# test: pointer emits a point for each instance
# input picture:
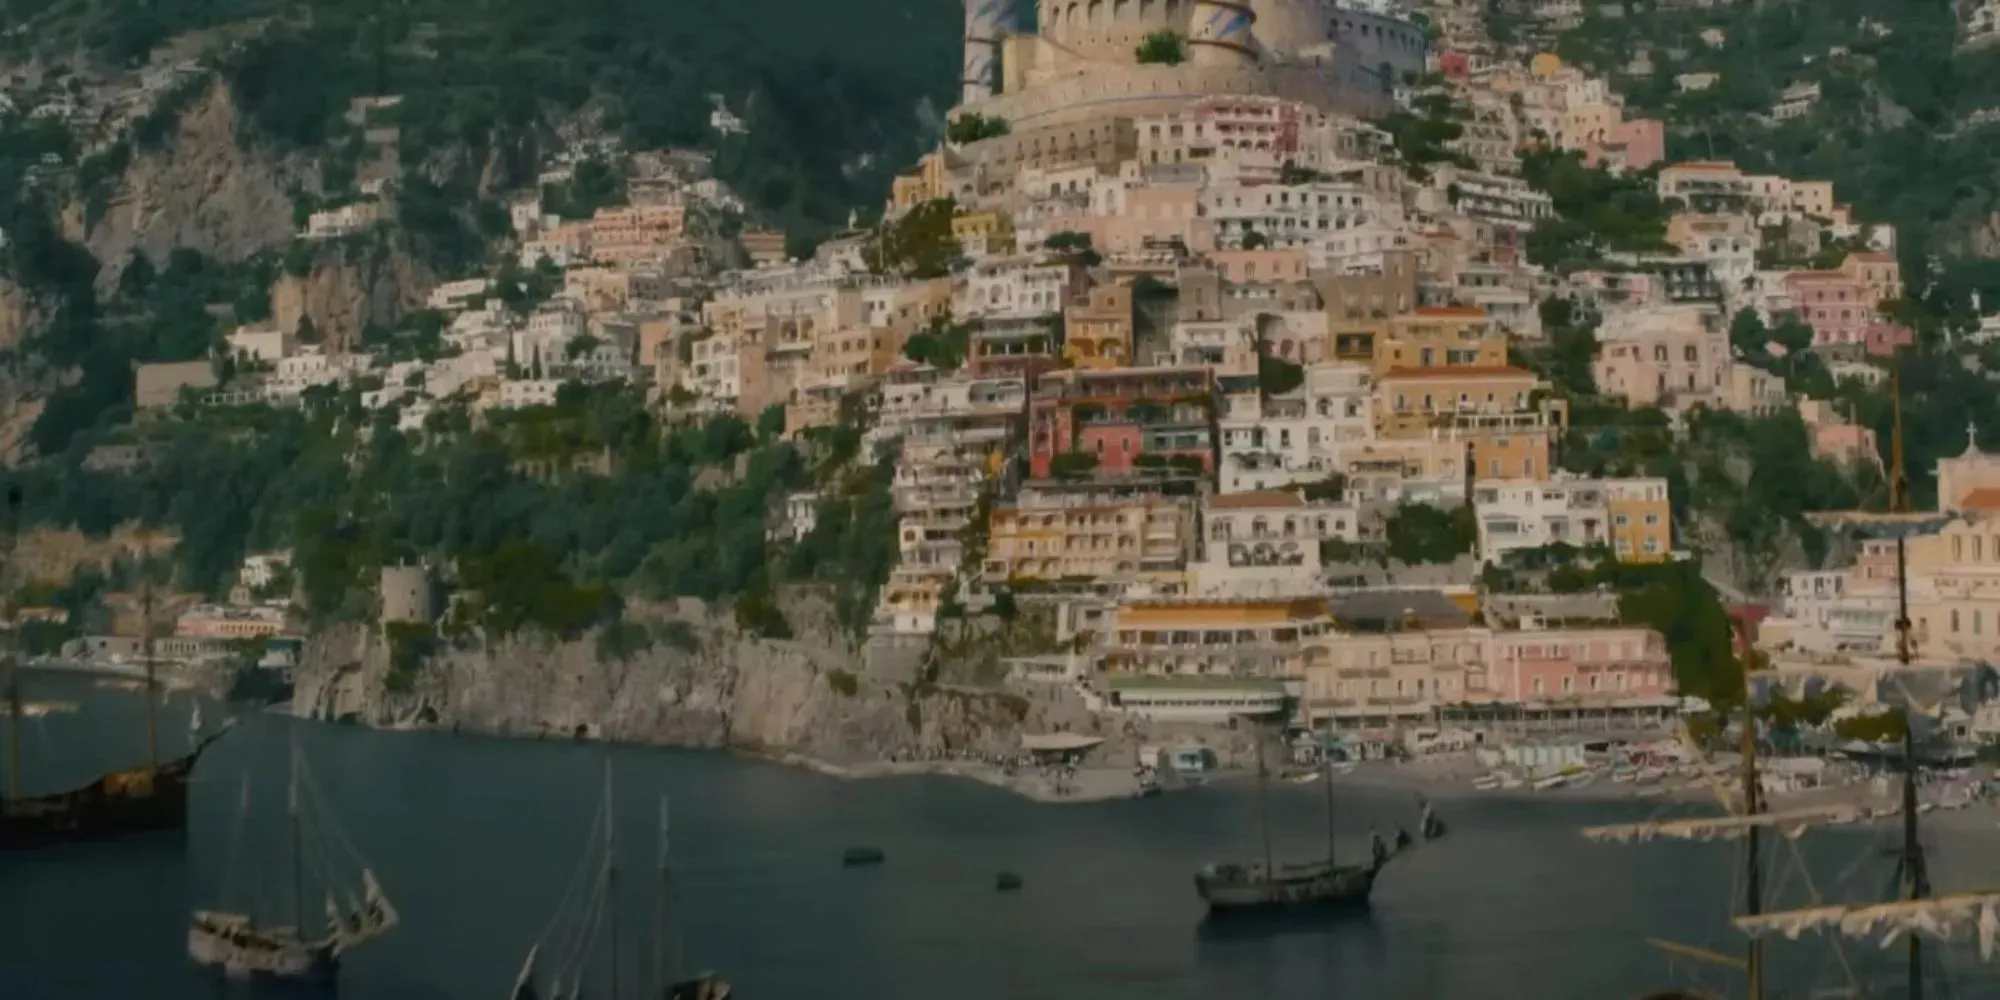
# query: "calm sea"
(475, 840)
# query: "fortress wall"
(1141, 90)
(1110, 30)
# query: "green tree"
(1162, 48)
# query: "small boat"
(1487, 783)
(240, 946)
(1006, 882)
(1305, 779)
(860, 857)
(44, 709)
(1551, 782)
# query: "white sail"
(1944, 918)
(524, 983)
(1792, 823)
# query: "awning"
(1056, 742)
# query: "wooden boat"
(1268, 886)
(241, 946)
(151, 798)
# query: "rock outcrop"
(350, 286)
(712, 686)
(200, 188)
(17, 313)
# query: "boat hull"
(261, 956)
(116, 805)
(1303, 887)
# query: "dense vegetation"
(832, 95)
(551, 514)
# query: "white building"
(1268, 543)
(1293, 216)
(521, 392)
(1299, 437)
(346, 220)
(452, 296)
(1515, 515)
(1017, 285)
(260, 342)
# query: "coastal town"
(1238, 356)
(988, 496)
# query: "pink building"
(1607, 665)
(1453, 64)
(1633, 145)
(1838, 308)
(1882, 339)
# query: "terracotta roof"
(1872, 258)
(1458, 371)
(1451, 311)
(1259, 498)
(1703, 165)
(1982, 499)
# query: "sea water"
(476, 839)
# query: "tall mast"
(146, 652)
(1263, 802)
(1753, 887)
(1916, 882)
(294, 808)
(8, 667)
(1327, 759)
(611, 874)
(666, 968)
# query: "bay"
(477, 838)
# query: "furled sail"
(1792, 823)
(1944, 917)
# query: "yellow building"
(1097, 333)
(1491, 410)
(983, 233)
(929, 182)
(1211, 637)
(1642, 519)
(1085, 538)
(1440, 337)
(1545, 65)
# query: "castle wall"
(1110, 30)
(1142, 90)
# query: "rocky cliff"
(351, 285)
(710, 686)
(198, 187)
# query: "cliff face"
(349, 287)
(200, 188)
(795, 696)
(17, 315)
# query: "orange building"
(1097, 332)
(1642, 519)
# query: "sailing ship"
(147, 799)
(1912, 917)
(1268, 886)
(239, 945)
(1916, 914)
(575, 940)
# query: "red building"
(1128, 419)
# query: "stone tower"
(1220, 33)
(985, 21)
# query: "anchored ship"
(241, 945)
(147, 799)
(589, 905)
(1269, 886)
